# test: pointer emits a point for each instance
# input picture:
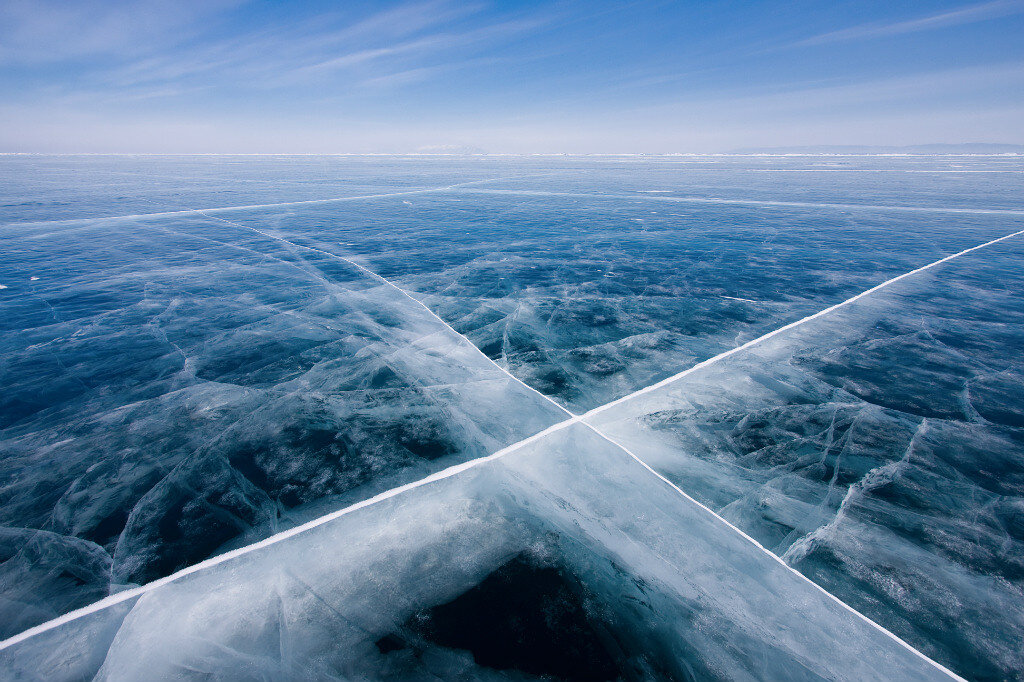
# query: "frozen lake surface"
(511, 418)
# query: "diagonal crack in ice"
(248, 207)
(797, 323)
(406, 294)
(715, 201)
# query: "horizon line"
(545, 154)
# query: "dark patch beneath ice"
(525, 616)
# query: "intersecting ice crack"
(457, 469)
(871, 480)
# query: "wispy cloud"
(48, 31)
(964, 15)
(433, 43)
(407, 43)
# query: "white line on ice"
(218, 209)
(249, 207)
(775, 557)
(458, 186)
(747, 202)
(791, 325)
(274, 539)
(465, 466)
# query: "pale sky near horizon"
(570, 76)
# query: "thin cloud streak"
(964, 15)
(371, 51)
(436, 42)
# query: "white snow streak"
(249, 207)
(749, 202)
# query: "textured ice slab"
(171, 388)
(643, 582)
(177, 385)
(590, 297)
(40, 187)
(589, 279)
(878, 450)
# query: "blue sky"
(564, 76)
